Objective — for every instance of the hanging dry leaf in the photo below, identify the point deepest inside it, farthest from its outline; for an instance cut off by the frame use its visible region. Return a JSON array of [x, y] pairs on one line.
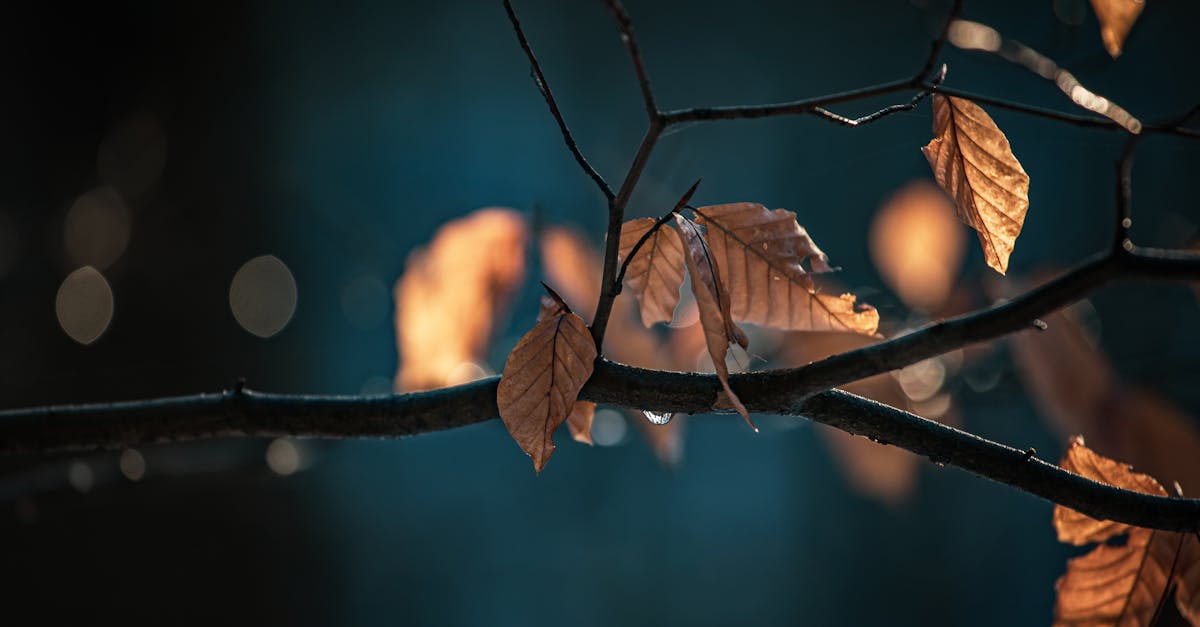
[[579, 422], [1116, 19], [719, 329], [453, 294], [1114, 584], [542, 378], [973, 162], [917, 245], [655, 273], [759, 253]]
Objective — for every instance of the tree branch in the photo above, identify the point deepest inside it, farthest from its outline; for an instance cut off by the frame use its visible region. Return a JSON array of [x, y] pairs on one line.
[[242, 413], [544, 87]]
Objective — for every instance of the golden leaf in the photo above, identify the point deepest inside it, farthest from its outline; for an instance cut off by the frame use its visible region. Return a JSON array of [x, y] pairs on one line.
[[917, 245], [1079, 529], [541, 381], [1116, 20], [655, 273], [759, 252], [1116, 584], [452, 294], [973, 162], [719, 329]]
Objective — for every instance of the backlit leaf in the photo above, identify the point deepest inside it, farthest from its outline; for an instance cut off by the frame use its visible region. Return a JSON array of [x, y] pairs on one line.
[[1116, 20], [972, 161], [541, 381], [656, 271], [719, 329], [759, 252], [453, 293], [1114, 584]]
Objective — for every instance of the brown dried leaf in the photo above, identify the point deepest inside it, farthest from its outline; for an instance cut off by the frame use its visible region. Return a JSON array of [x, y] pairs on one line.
[[1116, 20], [973, 162], [719, 329], [1114, 584], [580, 421], [655, 273], [760, 251], [1117, 585], [452, 294], [541, 382], [917, 245], [1079, 529]]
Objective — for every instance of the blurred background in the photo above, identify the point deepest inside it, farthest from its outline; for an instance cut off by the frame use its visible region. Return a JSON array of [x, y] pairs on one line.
[[192, 194]]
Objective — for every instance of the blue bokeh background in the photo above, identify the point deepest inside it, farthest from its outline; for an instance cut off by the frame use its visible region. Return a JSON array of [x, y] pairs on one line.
[[340, 136]]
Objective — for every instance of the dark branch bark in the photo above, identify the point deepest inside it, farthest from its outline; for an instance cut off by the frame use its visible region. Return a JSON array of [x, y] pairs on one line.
[[247, 413]]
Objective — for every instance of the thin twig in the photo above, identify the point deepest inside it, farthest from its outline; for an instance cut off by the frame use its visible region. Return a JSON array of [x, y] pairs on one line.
[[884, 112], [616, 216], [939, 43], [639, 66], [795, 107], [544, 88], [637, 246]]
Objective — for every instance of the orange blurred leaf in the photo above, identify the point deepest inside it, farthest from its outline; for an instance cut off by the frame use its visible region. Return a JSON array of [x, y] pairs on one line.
[[579, 422], [1114, 584], [571, 266], [719, 329], [760, 251], [917, 245], [452, 294], [972, 161], [655, 273], [541, 381], [1116, 19]]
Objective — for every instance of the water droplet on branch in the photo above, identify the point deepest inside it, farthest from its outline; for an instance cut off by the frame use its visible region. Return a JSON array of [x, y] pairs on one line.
[[658, 418]]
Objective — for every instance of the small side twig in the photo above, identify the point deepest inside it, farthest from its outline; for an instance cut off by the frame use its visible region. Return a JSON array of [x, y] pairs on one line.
[[886, 111], [939, 43], [625, 24], [683, 202], [544, 88]]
